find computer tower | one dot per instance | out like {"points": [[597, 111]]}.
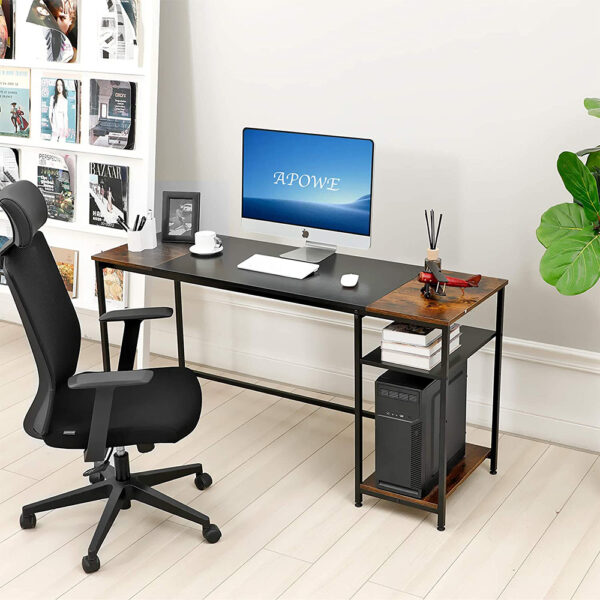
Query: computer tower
{"points": [[407, 429]]}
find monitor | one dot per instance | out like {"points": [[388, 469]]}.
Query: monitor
{"points": [[310, 187]]}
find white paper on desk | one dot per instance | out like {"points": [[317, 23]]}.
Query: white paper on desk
{"points": [[274, 265]]}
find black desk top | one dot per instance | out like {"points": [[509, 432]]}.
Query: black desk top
{"points": [[324, 290]]}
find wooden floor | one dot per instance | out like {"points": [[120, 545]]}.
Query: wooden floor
{"points": [[283, 498]]}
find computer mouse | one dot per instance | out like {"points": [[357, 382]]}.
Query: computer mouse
{"points": [[349, 280]]}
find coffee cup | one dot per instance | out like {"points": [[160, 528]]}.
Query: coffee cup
{"points": [[205, 241]]}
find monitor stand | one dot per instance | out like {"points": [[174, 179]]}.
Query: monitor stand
{"points": [[311, 252]]}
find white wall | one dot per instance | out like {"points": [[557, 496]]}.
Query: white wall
{"points": [[469, 104]]}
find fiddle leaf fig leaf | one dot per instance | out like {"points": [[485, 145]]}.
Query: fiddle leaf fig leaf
{"points": [[580, 183], [572, 263], [593, 106], [560, 220]]}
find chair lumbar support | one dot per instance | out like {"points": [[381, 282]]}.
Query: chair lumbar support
{"points": [[120, 487]]}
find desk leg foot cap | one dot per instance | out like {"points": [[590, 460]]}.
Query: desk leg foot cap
{"points": [[494, 472], [358, 504], [441, 529]]}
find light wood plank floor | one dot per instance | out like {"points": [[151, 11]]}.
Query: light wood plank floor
{"points": [[283, 498]]}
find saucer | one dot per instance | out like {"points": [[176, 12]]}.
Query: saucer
{"points": [[198, 252]]}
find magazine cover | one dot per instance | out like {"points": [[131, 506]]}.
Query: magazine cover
{"points": [[9, 166], [60, 109], [6, 29], [14, 102], [53, 30], [115, 287], [118, 30], [56, 181], [112, 113], [5, 231], [67, 263], [108, 195]]}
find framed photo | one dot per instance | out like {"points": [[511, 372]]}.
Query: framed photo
{"points": [[181, 216]]}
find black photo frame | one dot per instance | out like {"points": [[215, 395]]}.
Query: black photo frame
{"points": [[180, 216]]}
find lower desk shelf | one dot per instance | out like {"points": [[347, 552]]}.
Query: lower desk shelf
{"points": [[474, 456]]}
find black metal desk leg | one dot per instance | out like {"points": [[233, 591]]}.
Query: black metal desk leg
{"points": [[497, 377], [358, 401], [101, 311], [442, 447], [179, 323]]}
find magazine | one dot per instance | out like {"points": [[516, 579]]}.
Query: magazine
{"points": [[109, 188], [9, 166], [60, 109], [53, 30], [6, 232], [67, 263], [118, 30], [56, 181], [14, 102], [7, 34], [115, 287], [112, 113]]}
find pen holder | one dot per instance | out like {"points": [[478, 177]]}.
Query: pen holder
{"points": [[135, 241], [149, 234]]}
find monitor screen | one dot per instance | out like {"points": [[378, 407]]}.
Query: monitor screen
{"points": [[316, 181]]}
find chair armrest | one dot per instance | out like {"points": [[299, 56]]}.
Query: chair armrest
{"points": [[137, 314], [111, 379], [105, 384]]}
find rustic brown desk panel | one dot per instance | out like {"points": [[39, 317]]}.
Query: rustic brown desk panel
{"points": [[407, 302], [474, 456], [147, 259]]}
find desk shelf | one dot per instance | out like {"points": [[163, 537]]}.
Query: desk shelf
{"points": [[474, 456], [472, 339]]}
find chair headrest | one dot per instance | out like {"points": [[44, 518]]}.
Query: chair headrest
{"points": [[26, 209]]}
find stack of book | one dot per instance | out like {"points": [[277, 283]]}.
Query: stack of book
{"points": [[416, 347]]}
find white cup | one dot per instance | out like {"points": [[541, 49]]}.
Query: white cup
{"points": [[205, 241]]}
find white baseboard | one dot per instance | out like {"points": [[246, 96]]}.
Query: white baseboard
{"points": [[548, 392]]}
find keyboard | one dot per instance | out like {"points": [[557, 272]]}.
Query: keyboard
{"points": [[274, 265]]}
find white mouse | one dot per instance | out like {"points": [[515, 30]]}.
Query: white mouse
{"points": [[349, 280]]}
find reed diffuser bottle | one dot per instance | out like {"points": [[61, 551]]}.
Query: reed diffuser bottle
{"points": [[433, 252]]}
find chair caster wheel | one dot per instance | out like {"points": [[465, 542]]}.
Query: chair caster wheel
{"points": [[27, 521], [96, 477], [203, 480], [126, 504], [90, 563], [211, 533]]}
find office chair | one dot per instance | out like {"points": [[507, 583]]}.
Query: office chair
{"points": [[94, 412]]}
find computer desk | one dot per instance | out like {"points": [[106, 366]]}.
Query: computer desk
{"points": [[386, 290]]}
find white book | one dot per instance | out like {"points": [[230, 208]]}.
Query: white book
{"points": [[419, 350], [415, 335], [416, 362]]}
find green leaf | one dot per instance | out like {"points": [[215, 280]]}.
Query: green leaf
{"points": [[593, 161], [561, 220], [593, 106], [580, 183], [572, 263]]}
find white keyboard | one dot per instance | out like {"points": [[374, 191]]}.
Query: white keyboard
{"points": [[274, 265]]}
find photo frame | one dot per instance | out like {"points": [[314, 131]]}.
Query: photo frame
{"points": [[180, 216]]}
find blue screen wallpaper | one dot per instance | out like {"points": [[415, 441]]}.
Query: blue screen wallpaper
{"points": [[308, 180]]}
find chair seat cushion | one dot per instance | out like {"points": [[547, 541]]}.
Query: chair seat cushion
{"points": [[162, 411]]}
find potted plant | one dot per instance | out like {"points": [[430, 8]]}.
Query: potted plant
{"points": [[570, 232]]}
